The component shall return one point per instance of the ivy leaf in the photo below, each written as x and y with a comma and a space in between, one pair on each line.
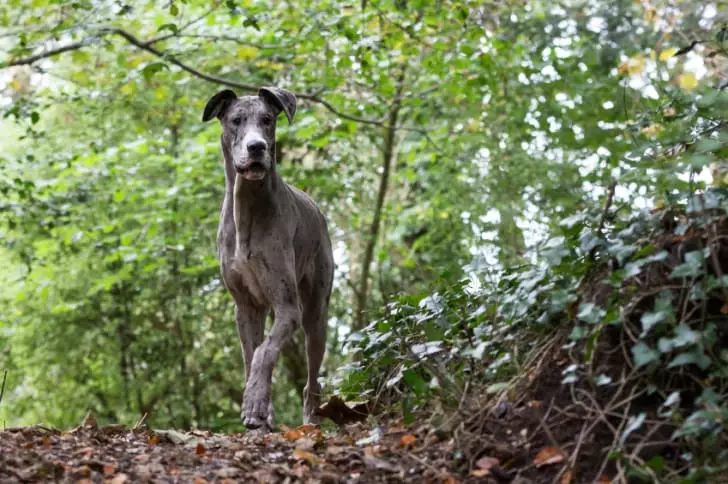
643, 354
692, 267
415, 381
590, 313
693, 357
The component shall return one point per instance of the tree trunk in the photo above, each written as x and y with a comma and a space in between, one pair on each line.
362, 295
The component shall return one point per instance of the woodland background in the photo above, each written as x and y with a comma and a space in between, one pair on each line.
461, 150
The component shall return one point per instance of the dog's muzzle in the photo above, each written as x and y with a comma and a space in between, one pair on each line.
251, 170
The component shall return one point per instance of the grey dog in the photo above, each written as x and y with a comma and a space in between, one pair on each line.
274, 249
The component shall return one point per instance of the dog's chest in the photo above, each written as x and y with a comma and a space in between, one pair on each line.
240, 267
246, 272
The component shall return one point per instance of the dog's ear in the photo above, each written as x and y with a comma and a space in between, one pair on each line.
284, 100
217, 104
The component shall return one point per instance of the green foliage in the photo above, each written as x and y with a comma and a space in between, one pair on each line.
509, 126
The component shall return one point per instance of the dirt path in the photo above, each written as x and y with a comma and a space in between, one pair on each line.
115, 454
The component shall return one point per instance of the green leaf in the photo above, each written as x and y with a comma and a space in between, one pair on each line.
693, 265
173, 10
415, 381
496, 387
34, 117
151, 69
643, 354
693, 357
590, 313
170, 26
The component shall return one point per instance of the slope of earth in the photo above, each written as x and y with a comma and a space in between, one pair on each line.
115, 454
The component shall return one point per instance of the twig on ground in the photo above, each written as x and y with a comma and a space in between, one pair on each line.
140, 422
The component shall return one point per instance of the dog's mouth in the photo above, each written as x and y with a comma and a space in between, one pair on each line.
252, 170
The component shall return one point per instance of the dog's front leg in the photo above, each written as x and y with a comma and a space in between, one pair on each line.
287, 317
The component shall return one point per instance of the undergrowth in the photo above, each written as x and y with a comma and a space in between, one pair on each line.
610, 348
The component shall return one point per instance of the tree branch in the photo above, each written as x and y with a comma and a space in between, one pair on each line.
149, 47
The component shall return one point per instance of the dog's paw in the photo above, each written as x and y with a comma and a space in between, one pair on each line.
256, 407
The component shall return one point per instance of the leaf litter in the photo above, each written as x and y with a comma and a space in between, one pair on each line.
355, 452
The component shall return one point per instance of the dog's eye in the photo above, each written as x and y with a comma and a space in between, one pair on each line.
237, 120
267, 120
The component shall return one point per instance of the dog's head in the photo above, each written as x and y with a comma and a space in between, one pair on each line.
249, 127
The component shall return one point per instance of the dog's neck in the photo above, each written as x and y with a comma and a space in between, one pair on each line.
253, 202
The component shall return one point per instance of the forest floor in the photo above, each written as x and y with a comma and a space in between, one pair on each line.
116, 454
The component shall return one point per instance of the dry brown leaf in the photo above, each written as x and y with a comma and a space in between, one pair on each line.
153, 438
293, 434
548, 456
199, 480
407, 440
342, 413
112, 429
200, 449
307, 428
479, 472
109, 469
306, 443
486, 462
724, 308
604, 480
300, 454
449, 480
566, 477
335, 449
46, 441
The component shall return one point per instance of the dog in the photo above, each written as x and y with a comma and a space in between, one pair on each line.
274, 250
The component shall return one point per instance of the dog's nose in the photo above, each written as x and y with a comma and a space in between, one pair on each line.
257, 147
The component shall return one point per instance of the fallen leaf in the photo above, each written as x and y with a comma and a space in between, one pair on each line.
340, 413
199, 480
604, 480
724, 309
175, 437
307, 428
90, 421
200, 449
479, 472
377, 463
293, 434
112, 429
119, 479
46, 442
109, 469
548, 456
485, 463
566, 477
306, 444
407, 440
152, 438
335, 449
300, 454
228, 472
449, 480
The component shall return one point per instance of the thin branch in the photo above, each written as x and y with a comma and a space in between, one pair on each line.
237, 40
149, 47
2, 387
